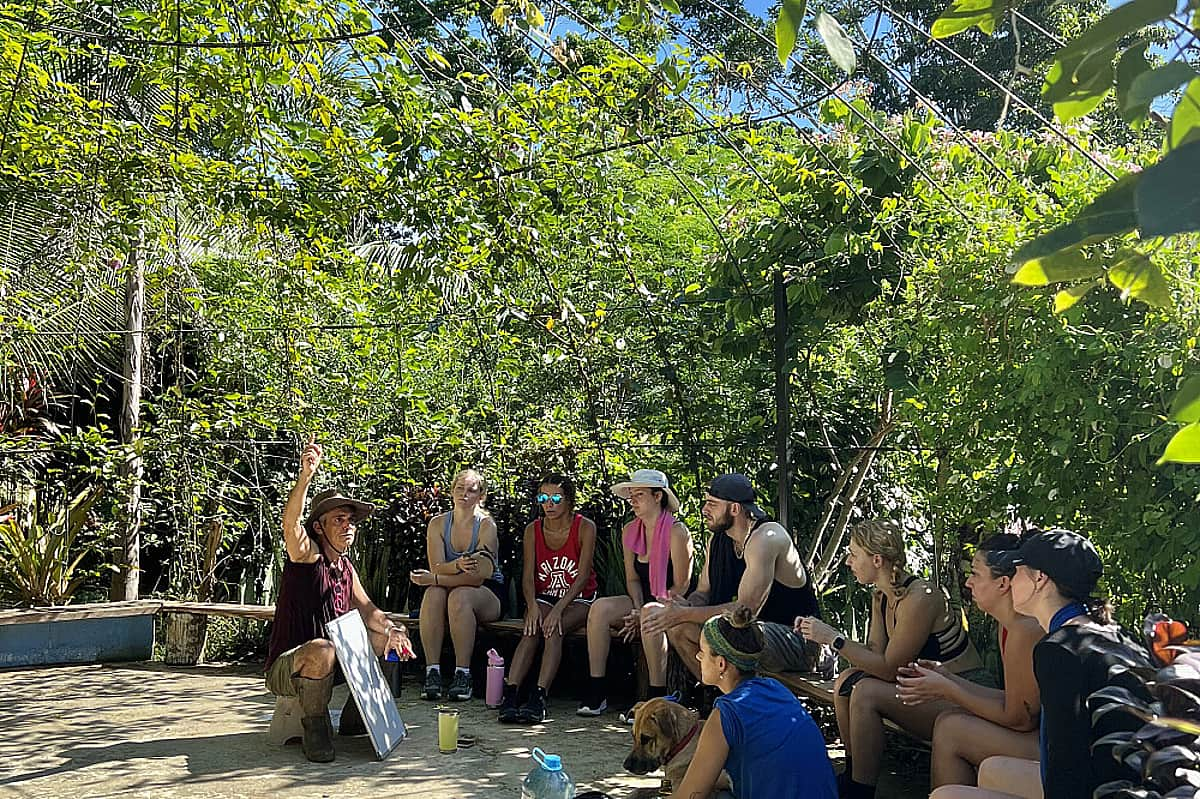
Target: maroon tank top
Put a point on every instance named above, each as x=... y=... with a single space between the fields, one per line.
x=310 y=595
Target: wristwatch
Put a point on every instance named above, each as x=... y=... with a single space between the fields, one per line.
x=838 y=643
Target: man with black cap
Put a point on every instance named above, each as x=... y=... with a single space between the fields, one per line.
x=318 y=585
x=770 y=579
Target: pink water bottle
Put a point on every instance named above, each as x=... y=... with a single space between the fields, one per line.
x=495 y=679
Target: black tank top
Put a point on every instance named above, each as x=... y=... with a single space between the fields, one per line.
x=786 y=602
x=643 y=572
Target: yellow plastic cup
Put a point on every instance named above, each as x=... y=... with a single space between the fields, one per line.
x=447 y=730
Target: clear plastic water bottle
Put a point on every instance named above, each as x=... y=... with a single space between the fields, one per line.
x=548 y=780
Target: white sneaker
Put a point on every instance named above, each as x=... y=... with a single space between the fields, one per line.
x=598 y=710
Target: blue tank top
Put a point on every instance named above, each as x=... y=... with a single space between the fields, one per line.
x=776 y=750
x=451 y=554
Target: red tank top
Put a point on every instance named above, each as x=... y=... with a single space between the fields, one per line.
x=557 y=569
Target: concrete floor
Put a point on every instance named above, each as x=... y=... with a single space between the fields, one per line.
x=144 y=729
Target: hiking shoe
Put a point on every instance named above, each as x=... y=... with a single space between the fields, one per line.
x=510 y=710
x=592 y=708
x=460 y=686
x=433 y=684
x=534 y=711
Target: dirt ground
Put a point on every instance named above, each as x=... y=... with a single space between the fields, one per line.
x=150 y=730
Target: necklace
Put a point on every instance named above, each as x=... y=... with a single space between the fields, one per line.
x=746 y=540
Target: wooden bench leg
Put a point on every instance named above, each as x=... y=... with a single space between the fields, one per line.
x=285 y=721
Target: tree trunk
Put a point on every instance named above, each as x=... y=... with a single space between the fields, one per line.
x=845 y=493
x=783 y=415
x=128 y=557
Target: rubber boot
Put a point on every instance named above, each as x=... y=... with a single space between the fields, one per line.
x=314 y=698
x=351 y=722
x=391 y=676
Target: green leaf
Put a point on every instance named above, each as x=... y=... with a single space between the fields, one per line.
x=1118 y=23
x=1066 y=299
x=1184 y=446
x=1185 y=122
x=1159 y=81
x=1167 y=200
x=840 y=48
x=670 y=6
x=791 y=14
x=1186 y=405
x=1110 y=214
x=1058 y=267
x=1076 y=86
x=963 y=14
x=1130 y=66
x=1138 y=276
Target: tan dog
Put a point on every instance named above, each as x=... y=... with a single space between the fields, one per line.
x=665 y=735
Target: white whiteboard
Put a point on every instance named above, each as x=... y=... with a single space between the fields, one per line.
x=367 y=686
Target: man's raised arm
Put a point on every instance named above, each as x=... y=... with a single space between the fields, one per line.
x=301 y=548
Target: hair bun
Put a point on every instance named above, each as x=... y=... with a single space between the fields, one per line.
x=741 y=616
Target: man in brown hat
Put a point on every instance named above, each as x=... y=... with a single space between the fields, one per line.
x=319 y=584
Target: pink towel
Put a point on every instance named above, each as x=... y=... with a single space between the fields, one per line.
x=634 y=538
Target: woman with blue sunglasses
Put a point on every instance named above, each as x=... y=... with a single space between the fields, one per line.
x=559 y=585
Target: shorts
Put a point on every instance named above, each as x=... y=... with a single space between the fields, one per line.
x=784 y=650
x=279 y=676
x=550 y=599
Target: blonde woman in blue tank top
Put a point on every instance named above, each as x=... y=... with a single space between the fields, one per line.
x=463 y=584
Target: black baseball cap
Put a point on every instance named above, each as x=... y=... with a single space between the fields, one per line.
x=1067 y=558
x=737 y=488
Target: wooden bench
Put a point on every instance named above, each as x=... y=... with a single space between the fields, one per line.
x=818 y=690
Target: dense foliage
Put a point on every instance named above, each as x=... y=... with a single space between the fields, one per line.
x=435 y=239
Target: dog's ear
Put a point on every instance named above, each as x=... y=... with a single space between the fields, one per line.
x=672 y=722
x=633 y=711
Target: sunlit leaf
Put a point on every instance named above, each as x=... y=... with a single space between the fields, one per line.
x=840 y=48
x=1059 y=267
x=1184 y=446
x=963 y=14
x=1076 y=85
x=1185 y=407
x=1066 y=299
x=1139 y=277
x=791 y=15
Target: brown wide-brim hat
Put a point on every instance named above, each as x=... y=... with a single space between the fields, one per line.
x=333 y=498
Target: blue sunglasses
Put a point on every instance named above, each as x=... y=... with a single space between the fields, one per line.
x=544 y=498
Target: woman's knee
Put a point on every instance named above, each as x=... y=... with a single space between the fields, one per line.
x=434 y=597
x=950 y=730
x=870 y=694
x=458 y=603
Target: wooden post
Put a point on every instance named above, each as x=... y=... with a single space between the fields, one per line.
x=128 y=554
x=783 y=414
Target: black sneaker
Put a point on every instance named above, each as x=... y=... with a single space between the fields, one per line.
x=534 y=711
x=460 y=686
x=592 y=707
x=433 y=684
x=510 y=710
